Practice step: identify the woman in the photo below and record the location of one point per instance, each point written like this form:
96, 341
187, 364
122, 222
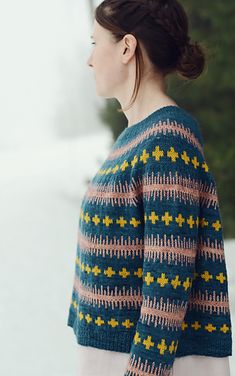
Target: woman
150, 294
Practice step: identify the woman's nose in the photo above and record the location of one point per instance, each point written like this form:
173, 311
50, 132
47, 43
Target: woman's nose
89, 62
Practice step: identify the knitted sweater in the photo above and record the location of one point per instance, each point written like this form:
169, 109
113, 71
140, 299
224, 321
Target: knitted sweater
150, 273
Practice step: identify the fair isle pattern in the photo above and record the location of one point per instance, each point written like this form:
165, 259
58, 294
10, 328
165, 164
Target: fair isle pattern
164, 186
162, 127
165, 319
150, 273
124, 298
163, 247
104, 246
171, 154
210, 302
137, 368
118, 194
164, 314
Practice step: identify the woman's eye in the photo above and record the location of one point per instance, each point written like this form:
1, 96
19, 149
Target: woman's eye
93, 43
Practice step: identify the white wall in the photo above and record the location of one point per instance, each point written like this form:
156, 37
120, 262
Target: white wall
46, 89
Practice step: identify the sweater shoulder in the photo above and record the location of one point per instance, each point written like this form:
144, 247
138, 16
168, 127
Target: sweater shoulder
171, 125
176, 130
170, 144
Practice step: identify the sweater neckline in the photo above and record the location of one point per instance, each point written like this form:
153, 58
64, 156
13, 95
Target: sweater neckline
159, 111
158, 114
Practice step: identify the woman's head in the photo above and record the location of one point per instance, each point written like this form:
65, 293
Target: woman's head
149, 35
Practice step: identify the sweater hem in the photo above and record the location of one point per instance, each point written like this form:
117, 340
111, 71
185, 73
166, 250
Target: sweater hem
122, 341
218, 350
119, 341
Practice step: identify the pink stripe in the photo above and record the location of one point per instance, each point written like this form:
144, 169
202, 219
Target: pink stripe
160, 127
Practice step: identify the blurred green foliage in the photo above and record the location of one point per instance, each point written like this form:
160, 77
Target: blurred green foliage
210, 98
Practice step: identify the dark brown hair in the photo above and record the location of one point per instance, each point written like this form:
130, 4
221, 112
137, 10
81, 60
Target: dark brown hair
161, 26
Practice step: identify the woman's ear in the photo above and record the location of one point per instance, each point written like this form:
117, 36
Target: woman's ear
130, 43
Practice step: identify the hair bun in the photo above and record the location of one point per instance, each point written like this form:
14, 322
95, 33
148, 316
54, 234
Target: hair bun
192, 61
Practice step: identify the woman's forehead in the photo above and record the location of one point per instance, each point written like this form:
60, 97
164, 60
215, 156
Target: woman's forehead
98, 31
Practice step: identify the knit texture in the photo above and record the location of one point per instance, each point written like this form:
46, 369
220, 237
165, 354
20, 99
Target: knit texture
150, 272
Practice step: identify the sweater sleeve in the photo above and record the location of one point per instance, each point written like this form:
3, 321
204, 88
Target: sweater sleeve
171, 216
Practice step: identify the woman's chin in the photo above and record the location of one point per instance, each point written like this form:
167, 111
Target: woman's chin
100, 93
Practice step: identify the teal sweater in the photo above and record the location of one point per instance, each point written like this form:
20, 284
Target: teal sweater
150, 272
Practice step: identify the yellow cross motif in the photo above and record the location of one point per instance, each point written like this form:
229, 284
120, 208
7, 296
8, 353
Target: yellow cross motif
210, 328
148, 278
107, 221
124, 165
180, 220
88, 318
145, 217
153, 217
127, 323
167, 218
196, 325
185, 157
184, 325
162, 347
75, 304
216, 225
139, 273
87, 218
187, 283
99, 321
162, 280
206, 276
113, 323
195, 162
96, 270
134, 222
137, 338
148, 343
134, 161
80, 315
172, 154
88, 269
82, 266
81, 214
206, 168
221, 277
190, 221
109, 271
115, 169
224, 328
175, 282
96, 219
203, 222
144, 156
171, 347
108, 170
157, 153
121, 221
124, 273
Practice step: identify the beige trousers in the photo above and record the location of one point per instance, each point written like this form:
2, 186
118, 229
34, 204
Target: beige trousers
97, 362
